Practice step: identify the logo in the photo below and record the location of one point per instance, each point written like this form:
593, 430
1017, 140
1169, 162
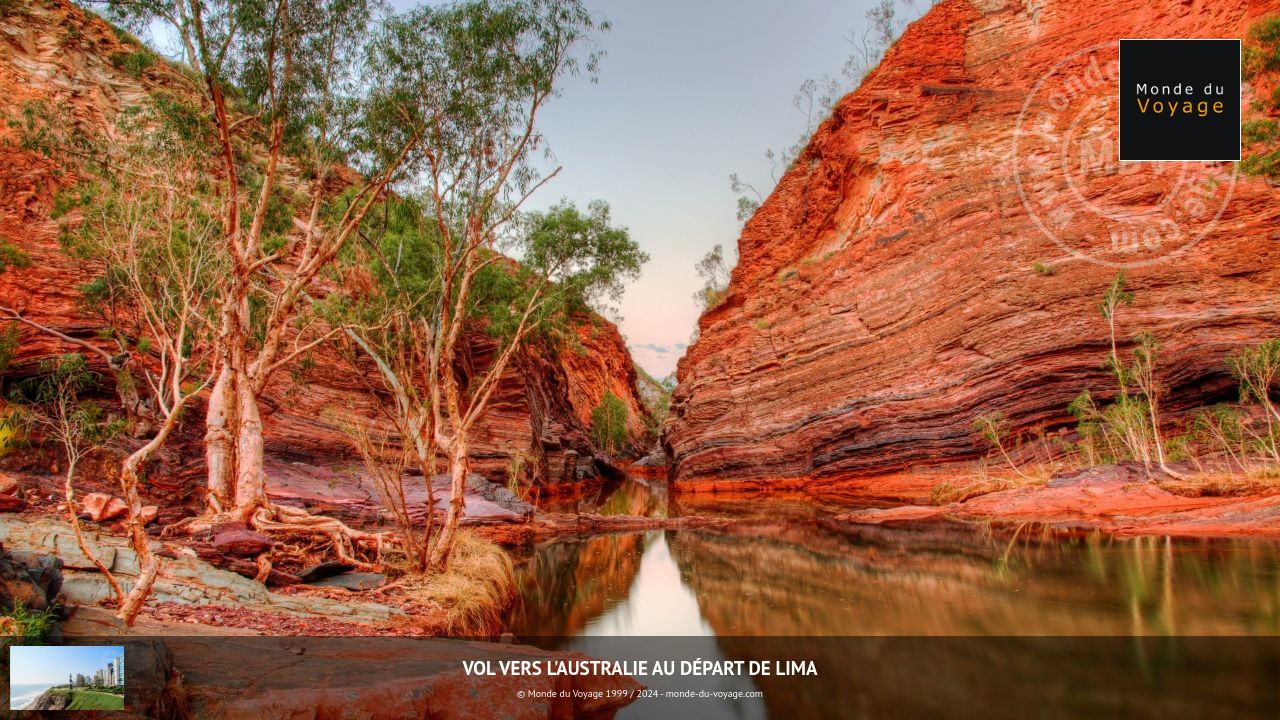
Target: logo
1180, 100
1079, 193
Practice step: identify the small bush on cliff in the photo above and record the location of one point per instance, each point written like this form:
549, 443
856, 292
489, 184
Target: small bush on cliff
133, 64
12, 256
1258, 369
1128, 428
994, 429
714, 272
609, 424
1262, 58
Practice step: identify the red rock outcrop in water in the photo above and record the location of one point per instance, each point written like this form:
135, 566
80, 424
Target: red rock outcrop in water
922, 263
53, 52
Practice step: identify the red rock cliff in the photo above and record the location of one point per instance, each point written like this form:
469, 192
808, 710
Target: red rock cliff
54, 52
924, 261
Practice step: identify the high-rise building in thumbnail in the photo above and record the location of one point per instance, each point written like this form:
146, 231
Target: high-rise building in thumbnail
120, 669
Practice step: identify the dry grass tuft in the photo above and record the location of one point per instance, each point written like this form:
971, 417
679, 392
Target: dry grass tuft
1259, 480
984, 482
472, 594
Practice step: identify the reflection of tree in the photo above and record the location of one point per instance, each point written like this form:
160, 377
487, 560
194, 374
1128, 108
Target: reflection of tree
785, 593
566, 584
628, 496
813, 581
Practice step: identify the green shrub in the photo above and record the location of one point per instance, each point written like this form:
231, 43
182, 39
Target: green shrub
1044, 269
12, 256
134, 63
609, 423
21, 626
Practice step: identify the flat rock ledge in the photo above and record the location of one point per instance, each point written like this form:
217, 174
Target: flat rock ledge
183, 578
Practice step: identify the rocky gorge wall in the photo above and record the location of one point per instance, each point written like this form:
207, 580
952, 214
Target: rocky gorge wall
939, 249
56, 53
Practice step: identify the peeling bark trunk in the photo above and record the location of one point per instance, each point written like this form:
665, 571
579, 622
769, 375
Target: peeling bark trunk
251, 488
148, 563
459, 468
220, 442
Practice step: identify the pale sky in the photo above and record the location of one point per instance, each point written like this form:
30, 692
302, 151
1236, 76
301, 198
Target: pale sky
33, 664
688, 93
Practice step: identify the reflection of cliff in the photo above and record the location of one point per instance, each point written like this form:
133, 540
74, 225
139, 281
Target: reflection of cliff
627, 496
1049, 678
566, 584
891, 583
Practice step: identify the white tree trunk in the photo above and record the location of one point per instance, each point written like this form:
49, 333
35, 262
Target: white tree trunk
220, 442
251, 487
459, 468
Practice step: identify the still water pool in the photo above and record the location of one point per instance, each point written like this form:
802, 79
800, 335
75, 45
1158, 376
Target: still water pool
786, 581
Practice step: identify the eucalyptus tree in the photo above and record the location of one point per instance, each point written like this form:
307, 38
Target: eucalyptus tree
569, 260
152, 237
442, 100
55, 402
283, 84
144, 227
477, 76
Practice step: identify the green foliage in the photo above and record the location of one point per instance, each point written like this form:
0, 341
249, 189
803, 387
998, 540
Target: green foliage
134, 63
58, 375
1115, 296
1262, 57
1257, 369
1044, 269
1221, 428
571, 260
55, 398
993, 427
8, 346
23, 626
609, 424
184, 121
1262, 49
714, 272
12, 256
1260, 130
584, 256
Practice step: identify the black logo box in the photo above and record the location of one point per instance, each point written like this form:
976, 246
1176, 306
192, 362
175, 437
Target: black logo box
1185, 64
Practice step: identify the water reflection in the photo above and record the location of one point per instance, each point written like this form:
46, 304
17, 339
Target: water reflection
803, 578
788, 582
628, 496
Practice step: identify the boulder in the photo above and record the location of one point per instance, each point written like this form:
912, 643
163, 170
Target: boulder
101, 507
499, 495
242, 543
11, 503
8, 486
149, 514
29, 579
